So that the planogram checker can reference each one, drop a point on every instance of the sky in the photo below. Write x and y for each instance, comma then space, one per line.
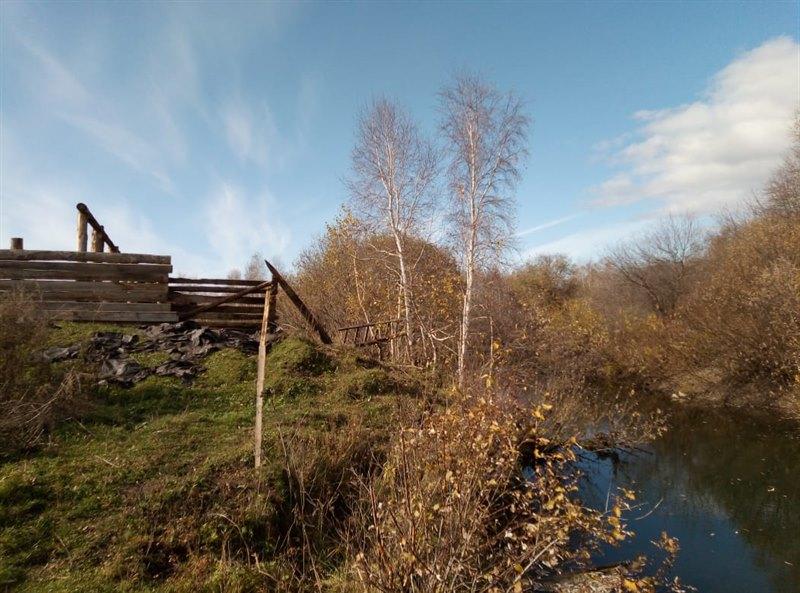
209, 131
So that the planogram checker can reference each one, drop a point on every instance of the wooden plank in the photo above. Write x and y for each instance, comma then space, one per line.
91, 271
98, 275
58, 290
111, 258
222, 281
224, 300
239, 316
117, 316
257, 289
251, 324
100, 306
230, 308
179, 299
301, 306
374, 323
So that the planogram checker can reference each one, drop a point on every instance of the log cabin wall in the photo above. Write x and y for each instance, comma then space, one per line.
92, 286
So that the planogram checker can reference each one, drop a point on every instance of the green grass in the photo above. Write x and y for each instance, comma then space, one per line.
154, 488
66, 333
150, 359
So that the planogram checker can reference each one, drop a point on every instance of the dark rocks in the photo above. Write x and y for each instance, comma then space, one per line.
186, 342
58, 354
123, 372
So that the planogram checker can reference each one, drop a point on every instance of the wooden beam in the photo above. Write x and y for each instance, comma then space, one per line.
77, 256
301, 306
221, 281
117, 316
223, 300
256, 288
102, 306
82, 236
248, 325
191, 301
103, 237
66, 290
84, 271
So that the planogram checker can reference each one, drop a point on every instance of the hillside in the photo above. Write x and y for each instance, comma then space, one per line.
152, 487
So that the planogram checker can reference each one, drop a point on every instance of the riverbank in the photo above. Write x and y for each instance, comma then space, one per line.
709, 389
150, 486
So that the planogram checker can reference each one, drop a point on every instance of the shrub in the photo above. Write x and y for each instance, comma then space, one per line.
33, 393
474, 499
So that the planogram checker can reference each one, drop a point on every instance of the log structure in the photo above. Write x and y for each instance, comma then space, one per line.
96, 285
91, 286
218, 302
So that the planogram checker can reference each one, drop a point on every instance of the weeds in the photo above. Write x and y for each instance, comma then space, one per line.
34, 395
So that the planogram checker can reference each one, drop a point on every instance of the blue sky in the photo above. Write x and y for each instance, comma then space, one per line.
209, 131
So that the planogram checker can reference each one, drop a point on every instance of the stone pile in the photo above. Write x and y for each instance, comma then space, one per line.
186, 342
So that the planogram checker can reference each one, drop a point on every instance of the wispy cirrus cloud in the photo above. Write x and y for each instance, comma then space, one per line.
588, 243
547, 225
238, 225
716, 151
69, 99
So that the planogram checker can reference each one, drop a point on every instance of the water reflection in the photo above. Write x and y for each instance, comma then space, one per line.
728, 486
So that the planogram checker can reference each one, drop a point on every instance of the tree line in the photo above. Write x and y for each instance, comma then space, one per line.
425, 235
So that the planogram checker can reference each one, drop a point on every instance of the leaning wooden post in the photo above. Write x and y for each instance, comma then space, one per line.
301, 306
82, 236
267, 325
16, 243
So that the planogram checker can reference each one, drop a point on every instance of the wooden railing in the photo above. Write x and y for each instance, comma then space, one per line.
99, 236
381, 334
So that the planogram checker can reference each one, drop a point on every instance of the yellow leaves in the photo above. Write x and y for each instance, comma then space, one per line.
630, 586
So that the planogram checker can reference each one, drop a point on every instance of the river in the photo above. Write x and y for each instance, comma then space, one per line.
727, 485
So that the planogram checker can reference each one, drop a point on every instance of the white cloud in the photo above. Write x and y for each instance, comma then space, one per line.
90, 108
718, 150
587, 244
249, 132
237, 227
546, 225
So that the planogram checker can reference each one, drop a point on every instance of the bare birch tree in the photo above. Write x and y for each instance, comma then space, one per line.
393, 171
486, 134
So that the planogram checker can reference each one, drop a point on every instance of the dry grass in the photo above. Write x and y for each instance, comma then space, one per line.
33, 394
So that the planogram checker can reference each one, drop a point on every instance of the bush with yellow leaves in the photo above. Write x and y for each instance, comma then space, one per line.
475, 499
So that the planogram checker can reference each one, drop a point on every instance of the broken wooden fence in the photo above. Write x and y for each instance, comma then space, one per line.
219, 302
381, 334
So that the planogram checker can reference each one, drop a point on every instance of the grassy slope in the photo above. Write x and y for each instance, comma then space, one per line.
153, 488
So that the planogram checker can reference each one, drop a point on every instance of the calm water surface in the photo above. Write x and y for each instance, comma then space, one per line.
728, 487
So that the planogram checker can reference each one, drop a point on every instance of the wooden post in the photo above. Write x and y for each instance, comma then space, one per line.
82, 236
272, 308
97, 241
16, 243
267, 326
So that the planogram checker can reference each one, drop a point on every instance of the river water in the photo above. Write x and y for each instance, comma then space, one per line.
727, 486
